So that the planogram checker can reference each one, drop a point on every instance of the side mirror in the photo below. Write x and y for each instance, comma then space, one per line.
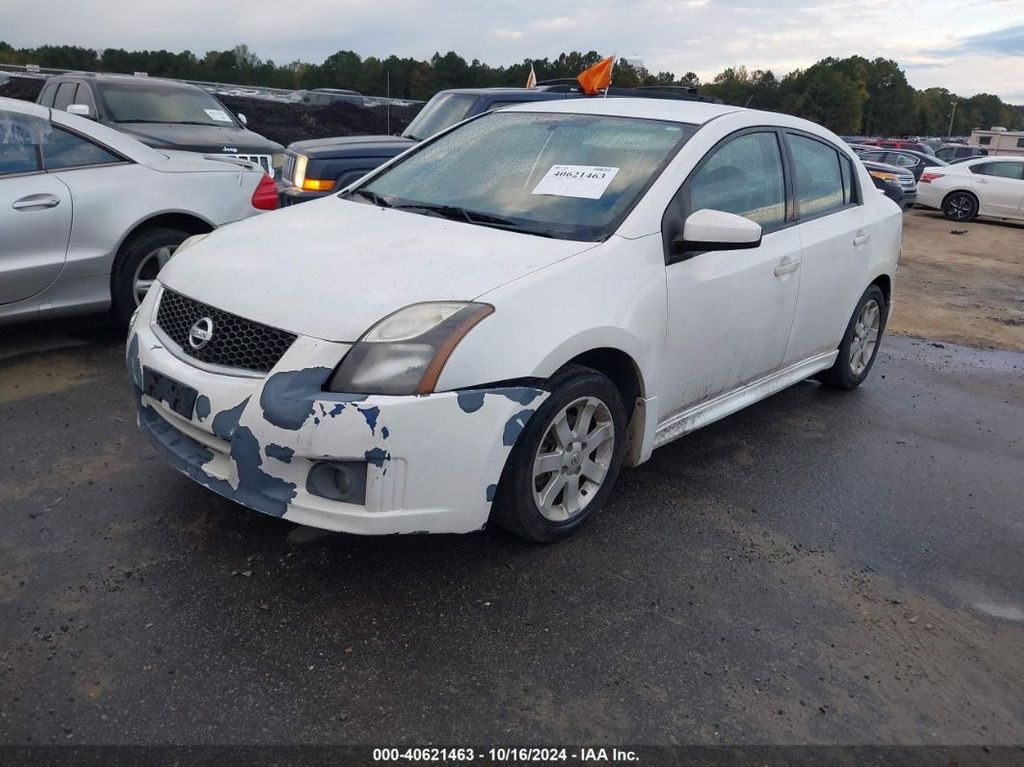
708, 229
82, 110
241, 119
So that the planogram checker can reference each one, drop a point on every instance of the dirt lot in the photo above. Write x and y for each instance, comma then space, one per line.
967, 288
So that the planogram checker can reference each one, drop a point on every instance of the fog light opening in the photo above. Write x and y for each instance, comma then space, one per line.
343, 481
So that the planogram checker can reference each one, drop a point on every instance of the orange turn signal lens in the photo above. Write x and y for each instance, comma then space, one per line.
317, 184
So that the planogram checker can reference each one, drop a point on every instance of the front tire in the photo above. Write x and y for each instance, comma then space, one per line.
960, 207
141, 257
564, 464
859, 346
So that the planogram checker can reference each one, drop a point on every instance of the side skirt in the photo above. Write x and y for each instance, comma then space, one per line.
723, 405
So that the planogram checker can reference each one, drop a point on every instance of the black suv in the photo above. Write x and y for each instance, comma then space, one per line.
162, 114
319, 166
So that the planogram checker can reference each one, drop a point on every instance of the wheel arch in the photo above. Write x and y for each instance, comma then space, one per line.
961, 190
622, 369
884, 282
188, 222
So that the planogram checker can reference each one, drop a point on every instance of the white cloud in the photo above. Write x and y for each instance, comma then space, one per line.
703, 36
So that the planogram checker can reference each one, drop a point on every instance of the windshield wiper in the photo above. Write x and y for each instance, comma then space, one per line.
373, 197
168, 122
459, 214
456, 213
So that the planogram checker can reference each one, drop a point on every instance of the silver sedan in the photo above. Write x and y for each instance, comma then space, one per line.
88, 215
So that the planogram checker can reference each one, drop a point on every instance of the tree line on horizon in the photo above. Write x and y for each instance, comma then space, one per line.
851, 96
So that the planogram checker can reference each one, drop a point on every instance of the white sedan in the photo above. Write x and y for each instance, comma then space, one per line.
489, 326
88, 215
984, 186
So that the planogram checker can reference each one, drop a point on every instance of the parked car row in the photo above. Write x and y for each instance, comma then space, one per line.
974, 185
89, 214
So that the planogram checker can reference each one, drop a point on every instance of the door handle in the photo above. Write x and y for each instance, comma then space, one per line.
981, 180
786, 265
36, 202
861, 238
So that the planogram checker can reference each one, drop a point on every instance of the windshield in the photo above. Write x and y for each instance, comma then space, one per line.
557, 175
165, 105
442, 111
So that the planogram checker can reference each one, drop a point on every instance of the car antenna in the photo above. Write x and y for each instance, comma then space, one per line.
749, 99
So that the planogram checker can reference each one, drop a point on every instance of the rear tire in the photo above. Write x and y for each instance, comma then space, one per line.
960, 207
564, 464
859, 347
138, 262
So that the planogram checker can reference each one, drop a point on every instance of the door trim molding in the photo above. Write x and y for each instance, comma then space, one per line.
726, 404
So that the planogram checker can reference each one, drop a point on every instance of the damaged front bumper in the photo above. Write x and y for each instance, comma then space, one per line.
415, 464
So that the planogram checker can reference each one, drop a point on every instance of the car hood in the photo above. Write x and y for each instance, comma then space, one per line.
332, 268
175, 161
200, 138
350, 145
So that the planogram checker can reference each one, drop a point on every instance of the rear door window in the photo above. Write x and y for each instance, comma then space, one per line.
818, 180
1001, 169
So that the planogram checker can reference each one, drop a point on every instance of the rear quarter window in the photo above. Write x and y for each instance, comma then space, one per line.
47, 94
63, 150
65, 95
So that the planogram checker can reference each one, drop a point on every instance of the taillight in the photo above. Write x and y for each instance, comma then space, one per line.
265, 196
927, 178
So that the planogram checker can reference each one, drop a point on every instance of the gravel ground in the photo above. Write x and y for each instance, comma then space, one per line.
819, 568
961, 282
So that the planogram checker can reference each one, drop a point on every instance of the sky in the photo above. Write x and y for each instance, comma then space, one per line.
967, 46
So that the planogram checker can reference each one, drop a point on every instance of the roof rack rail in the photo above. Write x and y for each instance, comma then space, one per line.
669, 88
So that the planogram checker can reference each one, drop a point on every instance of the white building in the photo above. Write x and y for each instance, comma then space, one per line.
999, 141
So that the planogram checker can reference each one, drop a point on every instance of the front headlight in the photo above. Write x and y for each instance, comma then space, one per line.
405, 352
277, 162
889, 178
299, 173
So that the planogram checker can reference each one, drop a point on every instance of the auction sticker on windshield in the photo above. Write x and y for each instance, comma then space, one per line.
589, 181
218, 114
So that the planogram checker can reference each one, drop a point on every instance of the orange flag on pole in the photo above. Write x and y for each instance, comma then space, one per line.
597, 78
531, 81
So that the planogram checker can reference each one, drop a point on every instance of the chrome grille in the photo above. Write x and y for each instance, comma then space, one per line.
288, 171
235, 343
263, 160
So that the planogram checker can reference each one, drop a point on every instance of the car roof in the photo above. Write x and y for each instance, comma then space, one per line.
990, 158
870, 164
129, 80
901, 150
24, 107
693, 112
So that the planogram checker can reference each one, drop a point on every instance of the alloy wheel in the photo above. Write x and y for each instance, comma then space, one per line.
961, 208
147, 270
865, 337
573, 459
